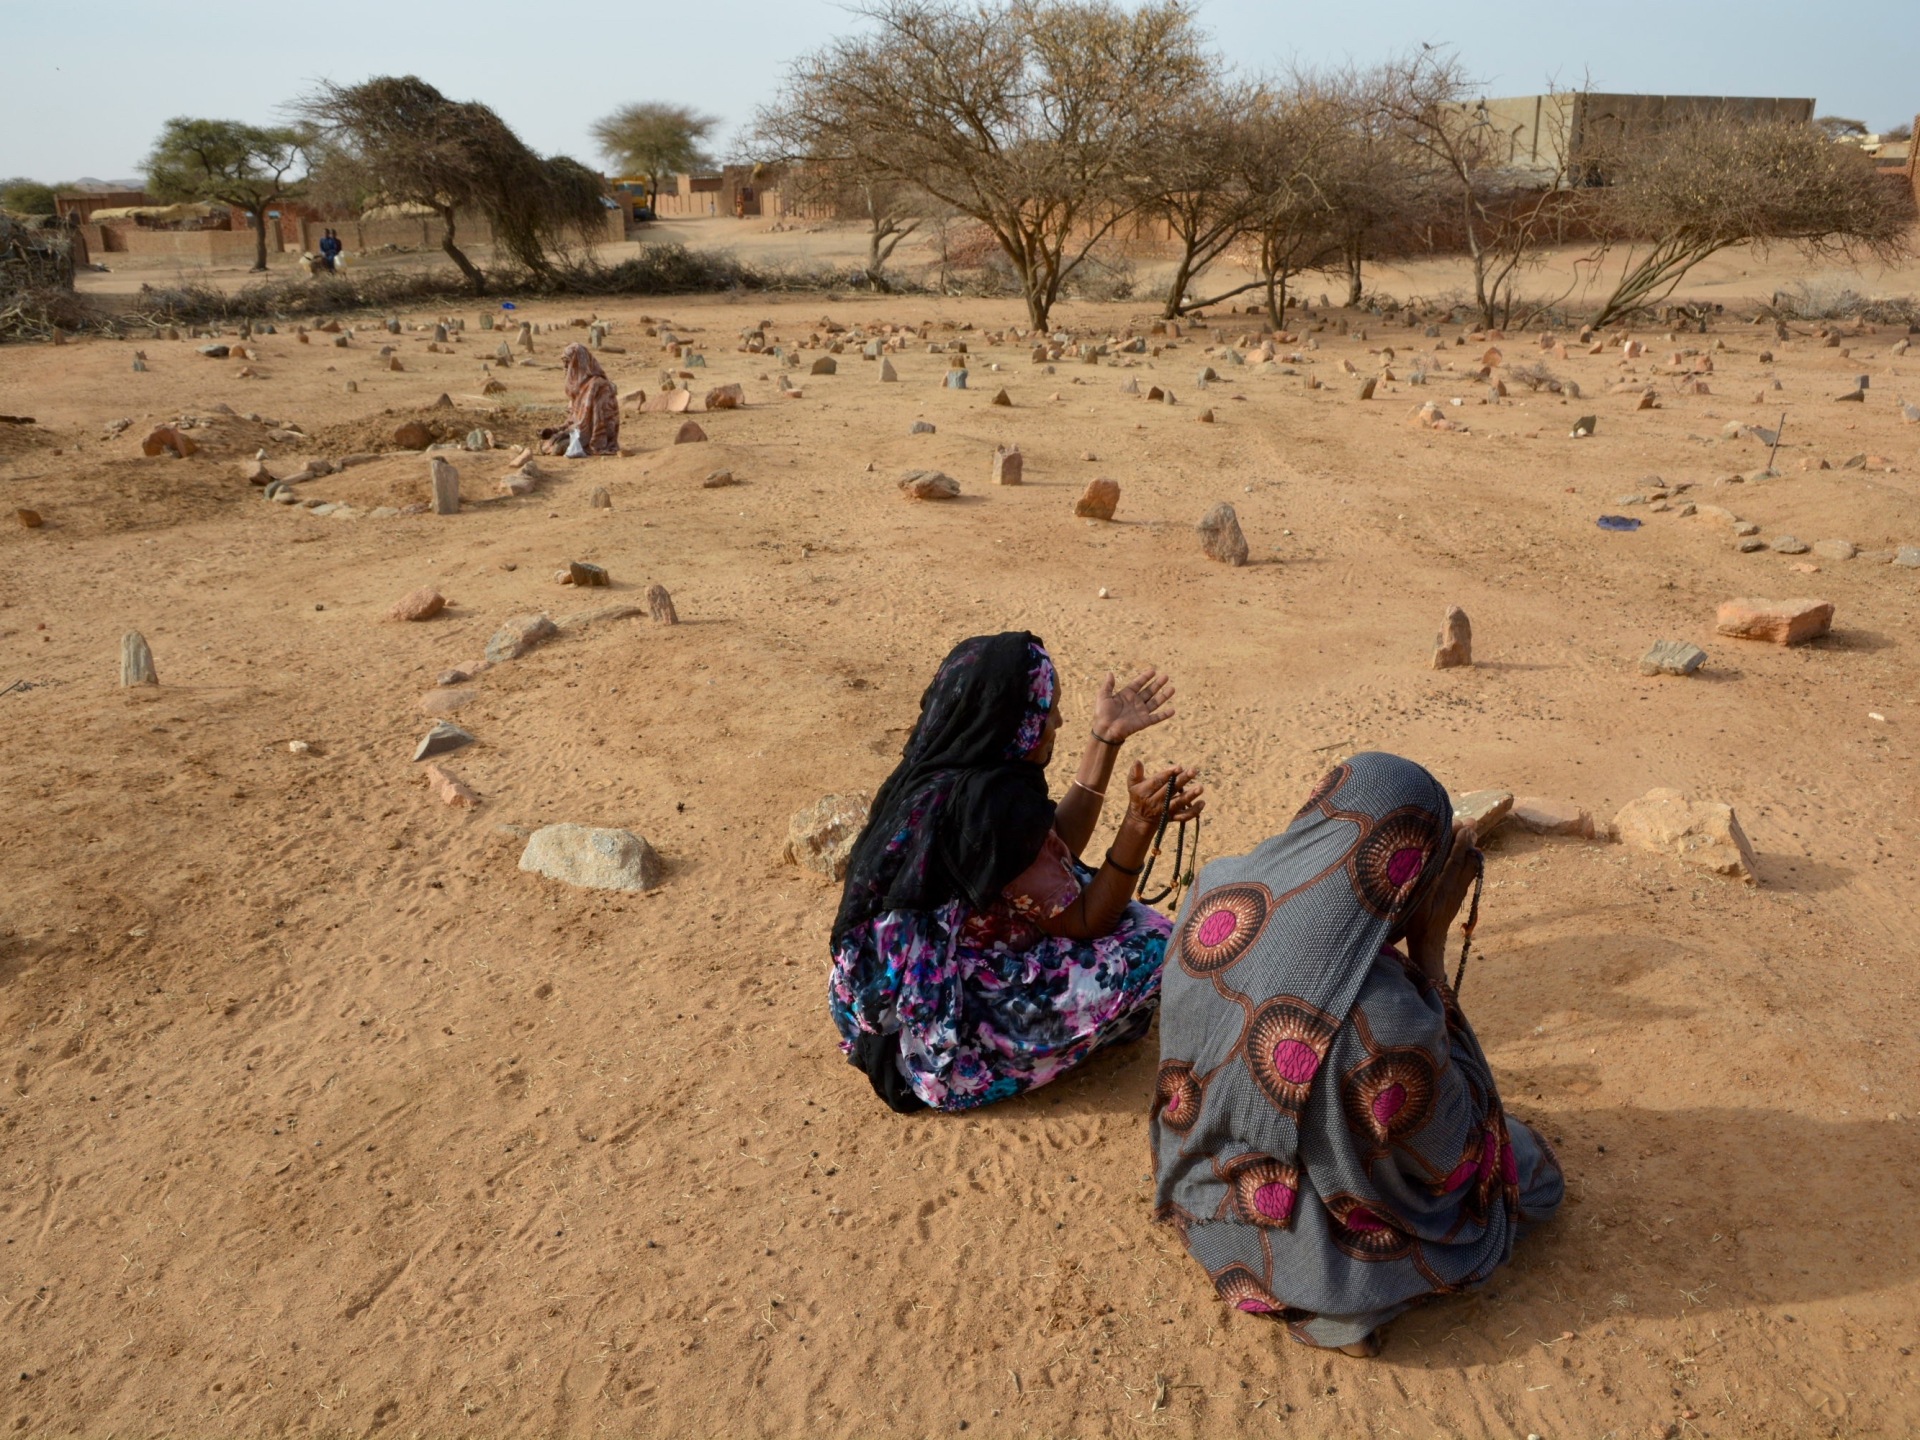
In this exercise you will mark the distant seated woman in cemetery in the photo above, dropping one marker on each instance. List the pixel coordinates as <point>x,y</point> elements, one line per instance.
<point>593,409</point>
<point>975,956</point>
<point>1327,1133</point>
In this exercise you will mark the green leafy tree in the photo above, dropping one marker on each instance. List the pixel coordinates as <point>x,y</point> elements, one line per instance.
<point>26,197</point>
<point>655,140</point>
<point>250,167</point>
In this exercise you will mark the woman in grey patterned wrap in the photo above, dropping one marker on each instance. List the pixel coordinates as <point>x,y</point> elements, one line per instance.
<point>1326,1130</point>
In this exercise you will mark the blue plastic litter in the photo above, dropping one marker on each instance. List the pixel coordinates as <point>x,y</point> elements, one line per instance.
<point>1617,522</point>
<point>508,305</point>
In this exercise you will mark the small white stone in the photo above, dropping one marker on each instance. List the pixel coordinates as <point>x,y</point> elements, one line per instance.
<point>1105,595</point>
<point>299,747</point>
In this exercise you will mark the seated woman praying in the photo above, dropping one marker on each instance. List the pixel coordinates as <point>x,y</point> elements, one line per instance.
<point>974,956</point>
<point>1326,1130</point>
<point>593,408</point>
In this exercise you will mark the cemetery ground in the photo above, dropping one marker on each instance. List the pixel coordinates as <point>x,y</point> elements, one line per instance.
<point>321,1117</point>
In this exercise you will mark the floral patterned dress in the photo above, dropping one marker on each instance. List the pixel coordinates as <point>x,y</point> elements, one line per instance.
<point>986,1004</point>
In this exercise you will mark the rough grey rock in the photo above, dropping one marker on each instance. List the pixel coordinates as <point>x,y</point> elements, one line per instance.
<point>519,635</point>
<point>1787,545</point>
<point>1484,810</point>
<point>1672,657</point>
<point>136,660</point>
<point>1221,537</point>
<point>446,487</point>
<point>440,739</point>
<point>593,858</point>
<point>1835,549</point>
<point>929,485</point>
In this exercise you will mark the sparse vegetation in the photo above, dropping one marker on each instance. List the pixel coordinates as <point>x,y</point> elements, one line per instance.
<point>251,167</point>
<point>26,197</point>
<point>1708,183</point>
<point>1028,119</point>
<point>398,138</point>
<point>655,140</point>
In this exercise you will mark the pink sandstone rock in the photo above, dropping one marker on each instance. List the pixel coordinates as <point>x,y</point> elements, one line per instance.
<point>422,604</point>
<point>1783,622</point>
<point>165,437</point>
<point>450,788</point>
<point>1453,646</point>
<point>1703,833</point>
<point>1099,500</point>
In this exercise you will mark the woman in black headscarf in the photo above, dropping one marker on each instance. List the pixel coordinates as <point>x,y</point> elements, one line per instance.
<point>974,956</point>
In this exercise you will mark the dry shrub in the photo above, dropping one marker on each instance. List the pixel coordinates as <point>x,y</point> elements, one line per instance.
<point>676,270</point>
<point>1534,375</point>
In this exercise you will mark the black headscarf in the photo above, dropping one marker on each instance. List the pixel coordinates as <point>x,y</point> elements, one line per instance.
<point>963,813</point>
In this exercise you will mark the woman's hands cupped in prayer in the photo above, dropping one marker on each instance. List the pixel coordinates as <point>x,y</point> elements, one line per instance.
<point>1145,701</point>
<point>1429,922</point>
<point>1147,796</point>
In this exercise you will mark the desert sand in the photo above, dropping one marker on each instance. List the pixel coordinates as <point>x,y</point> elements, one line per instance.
<point>322,1118</point>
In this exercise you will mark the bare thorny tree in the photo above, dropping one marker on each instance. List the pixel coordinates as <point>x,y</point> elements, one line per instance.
<point>1707,182</point>
<point>1501,215</point>
<point>1027,119</point>
<point>824,171</point>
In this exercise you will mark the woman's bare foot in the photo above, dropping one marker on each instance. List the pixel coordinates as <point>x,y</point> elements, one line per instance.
<point>1363,1349</point>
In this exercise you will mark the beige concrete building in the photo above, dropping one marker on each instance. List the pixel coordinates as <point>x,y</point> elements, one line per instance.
<point>1547,134</point>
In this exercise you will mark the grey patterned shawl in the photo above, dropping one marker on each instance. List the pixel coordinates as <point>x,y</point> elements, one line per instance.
<point>1326,1131</point>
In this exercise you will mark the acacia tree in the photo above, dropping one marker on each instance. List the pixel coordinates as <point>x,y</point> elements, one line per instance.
<point>1192,174</point>
<point>1025,118</point>
<point>820,170</point>
<point>1370,181</point>
<point>246,166</point>
<point>655,140</point>
<point>1285,157</point>
<point>1709,182</point>
<point>1504,213</point>
<point>399,138</point>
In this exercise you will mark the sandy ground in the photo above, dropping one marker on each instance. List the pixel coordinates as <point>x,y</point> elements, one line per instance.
<point>321,1118</point>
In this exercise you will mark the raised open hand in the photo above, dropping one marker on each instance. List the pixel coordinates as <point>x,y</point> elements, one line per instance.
<point>1143,702</point>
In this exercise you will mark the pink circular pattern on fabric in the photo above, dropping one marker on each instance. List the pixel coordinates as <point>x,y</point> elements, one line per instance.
<point>1404,865</point>
<point>1274,1201</point>
<point>1387,1103</point>
<point>1509,1167</point>
<point>1295,1061</point>
<point>1256,1307</point>
<point>1361,1218</point>
<point>1218,927</point>
<point>1462,1173</point>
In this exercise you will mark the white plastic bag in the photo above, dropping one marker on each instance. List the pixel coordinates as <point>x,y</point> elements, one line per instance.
<point>575,450</point>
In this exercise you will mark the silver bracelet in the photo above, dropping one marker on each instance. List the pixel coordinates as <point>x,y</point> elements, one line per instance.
<point>1097,794</point>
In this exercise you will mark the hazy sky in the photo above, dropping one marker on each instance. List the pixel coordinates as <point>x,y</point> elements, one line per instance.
<point>88,85</point>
